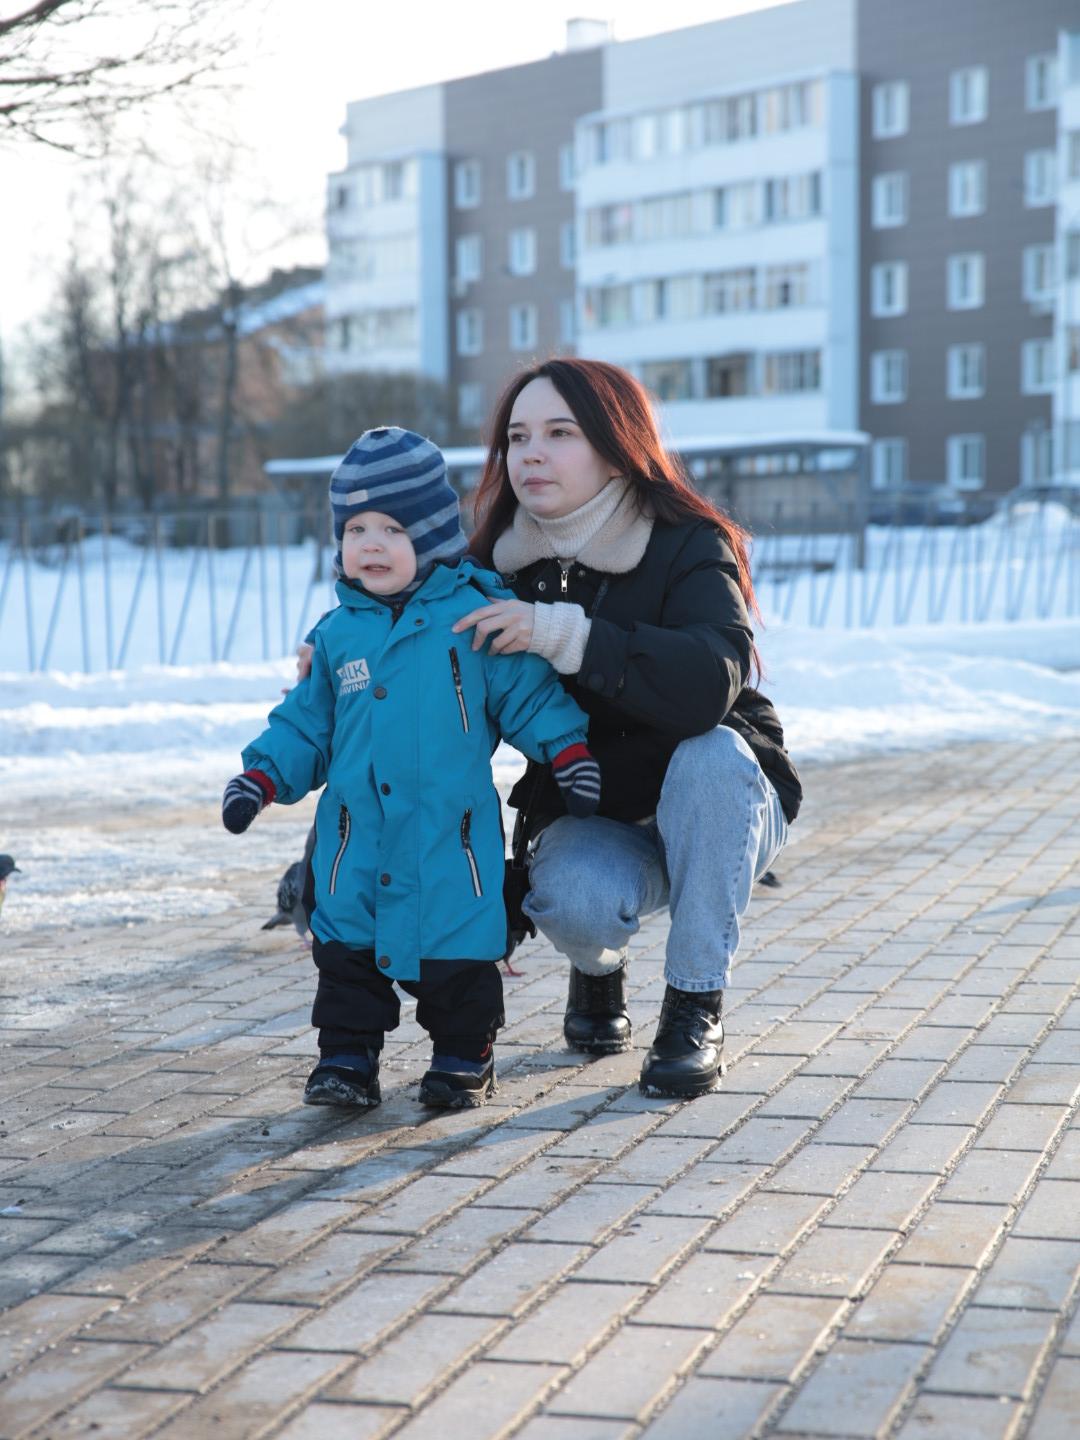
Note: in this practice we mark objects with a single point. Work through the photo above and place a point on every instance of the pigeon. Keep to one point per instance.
(290, 893)
(7, 867)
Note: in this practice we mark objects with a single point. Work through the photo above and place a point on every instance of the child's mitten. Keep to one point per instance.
(578, 777)
(245, 795)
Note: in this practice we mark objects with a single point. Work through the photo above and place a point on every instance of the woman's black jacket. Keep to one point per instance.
(668, 657)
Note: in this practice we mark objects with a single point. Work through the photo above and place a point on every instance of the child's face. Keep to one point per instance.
(376, 551)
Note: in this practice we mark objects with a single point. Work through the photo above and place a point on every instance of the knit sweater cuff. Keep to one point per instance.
(560, 634)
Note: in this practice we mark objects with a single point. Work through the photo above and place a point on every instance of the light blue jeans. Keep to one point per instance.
(718, 828)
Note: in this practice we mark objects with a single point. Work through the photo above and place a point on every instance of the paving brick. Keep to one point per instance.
(768, 1224)
(991, 1352)
(643, 1249)
(1046, 1085)
(953, 1234)
(1056, 1415)
(340, 1422)
(503, 1394)
(163, 1310)
(773, 1337)
(834, 1262)
(457, 1243)
(899, 1079)
(819, 1169)
(423, 1355)
(630, 1373)
(1053, 1212)
(205, 1353)
(959, 1417)
(909, 1303)
(991, 1175)
(255, 1397)
(128, 1413)
(330, 1265)
(42, 1322)
(575, 1319)
(760, 1142)
(706, 1290)
(855, 1391)
(957, 1102)
(710, 1188)
(656, 1159)
(358, 1320)
(1030, 1274)
(1022, 1127)
(58, 1378)
(882, 1200)
(573, 1427)
(926, 1149)
(591, 1213)
(862, 1122)
(720, 1409)
(1066, 1162)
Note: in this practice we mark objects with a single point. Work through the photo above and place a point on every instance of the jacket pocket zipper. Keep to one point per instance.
(466, 845)
(344, 828)
(455, 668)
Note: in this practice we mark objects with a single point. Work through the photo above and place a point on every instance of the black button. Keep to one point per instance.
(384, 962)
(385, 788)
(540, 585)
(380, 692)
(417, 622)
(385, 879)
(596, 681)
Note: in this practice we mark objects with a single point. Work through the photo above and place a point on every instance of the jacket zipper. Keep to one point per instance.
(564, 588)
(344, 829)
(456, 669)
(474, 869)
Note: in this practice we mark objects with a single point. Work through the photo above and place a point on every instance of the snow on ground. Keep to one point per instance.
(110, 783)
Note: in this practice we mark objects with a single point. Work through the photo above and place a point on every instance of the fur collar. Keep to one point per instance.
(615, 549)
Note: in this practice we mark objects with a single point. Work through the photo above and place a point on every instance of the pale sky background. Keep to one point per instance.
(304, 62)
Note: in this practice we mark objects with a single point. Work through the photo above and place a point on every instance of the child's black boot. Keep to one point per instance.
(455, 1084)
(350, 1079)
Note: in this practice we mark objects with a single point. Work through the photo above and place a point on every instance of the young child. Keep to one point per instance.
(399, 719)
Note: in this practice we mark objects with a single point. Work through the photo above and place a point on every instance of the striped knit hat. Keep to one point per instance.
(400, 474)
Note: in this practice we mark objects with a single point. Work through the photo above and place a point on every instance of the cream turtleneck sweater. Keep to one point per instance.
(608, 533)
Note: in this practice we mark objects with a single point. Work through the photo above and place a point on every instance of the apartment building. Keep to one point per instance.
(822, 216)
(960, 184)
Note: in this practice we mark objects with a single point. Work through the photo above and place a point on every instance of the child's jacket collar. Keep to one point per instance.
(443, 581)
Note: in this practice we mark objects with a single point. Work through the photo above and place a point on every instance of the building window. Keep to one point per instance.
(467, 184)
(668, 379)
(968, 92)
(966, 372)
(470, 332)
(567, 322)
(1072, 349)
(470, 407)
(1072, 154)
(343, 336)
(890, 109)
(791, 372)
(1037, 367)
(1039, 283)
(520, 175)
(786, 286)
(793, 197)
(738, 206)
(1072, 254)
(1040, 178)
(888, 288)
(521, 252)
(888, 461)
(468, 258)
(339, 197)
(727, 377)
(727, 291)
(1040, 82)
(523, 327)
(965, 462)
(889, 200)
(567, 166)
(888, 377)
(567, 244)
(967, 188)
(964, 284)
(399, 180)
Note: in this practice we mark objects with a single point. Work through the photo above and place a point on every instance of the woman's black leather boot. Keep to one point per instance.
(684, 1058)
(596, 1017)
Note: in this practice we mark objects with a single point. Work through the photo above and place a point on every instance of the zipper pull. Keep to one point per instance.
(565, 568)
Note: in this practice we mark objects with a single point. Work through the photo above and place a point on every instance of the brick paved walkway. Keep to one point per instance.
(872, 1230)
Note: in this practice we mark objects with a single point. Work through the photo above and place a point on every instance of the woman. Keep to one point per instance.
(637, 590)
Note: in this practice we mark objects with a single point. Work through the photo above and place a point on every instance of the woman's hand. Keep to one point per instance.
(304, 652)
(510, 621)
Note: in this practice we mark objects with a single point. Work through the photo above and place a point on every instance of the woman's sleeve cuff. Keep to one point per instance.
(560, 634)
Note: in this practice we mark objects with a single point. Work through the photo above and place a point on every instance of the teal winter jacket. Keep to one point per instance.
(399, 721)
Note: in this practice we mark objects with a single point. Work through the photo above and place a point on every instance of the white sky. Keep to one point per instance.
(305, 61)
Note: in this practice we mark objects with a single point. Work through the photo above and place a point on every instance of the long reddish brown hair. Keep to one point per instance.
(616, 418)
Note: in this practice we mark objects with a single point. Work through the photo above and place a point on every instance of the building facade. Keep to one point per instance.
(822, 216)
(959, 203)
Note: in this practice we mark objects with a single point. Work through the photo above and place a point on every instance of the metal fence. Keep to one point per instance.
(240, 587)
